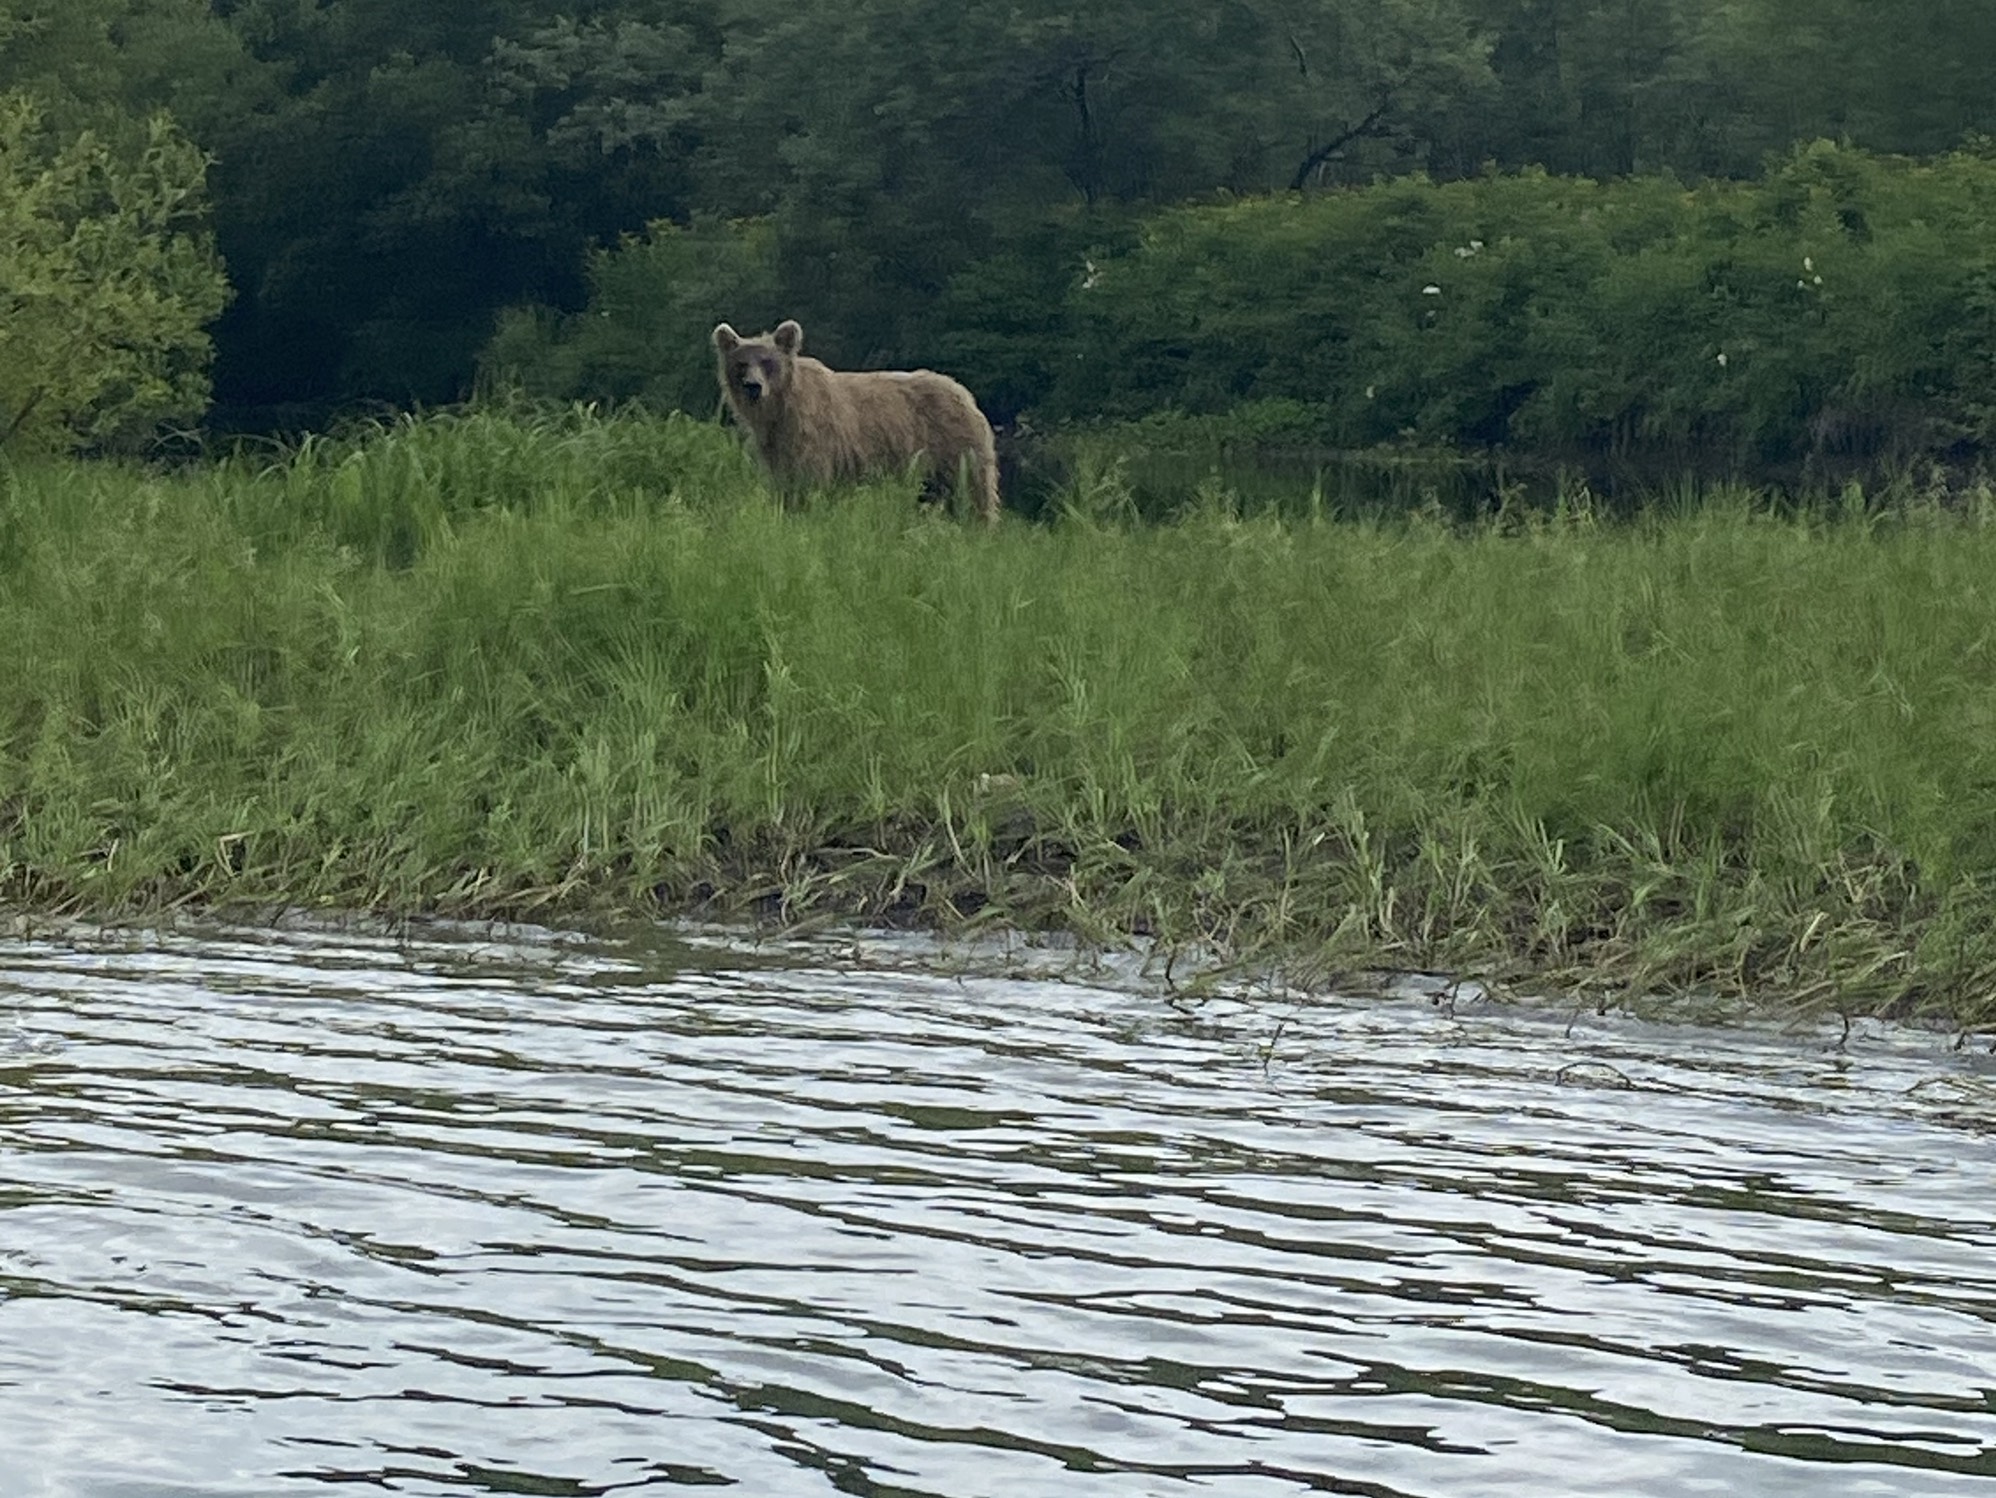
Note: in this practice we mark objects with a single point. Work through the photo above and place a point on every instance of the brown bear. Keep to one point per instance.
(814, 425)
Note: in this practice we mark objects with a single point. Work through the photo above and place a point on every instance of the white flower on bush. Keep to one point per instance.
(1722, 358)
(1431, 289)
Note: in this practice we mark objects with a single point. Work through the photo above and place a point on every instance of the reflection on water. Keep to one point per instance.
(287, 1212)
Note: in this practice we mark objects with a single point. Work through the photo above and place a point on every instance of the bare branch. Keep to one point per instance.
(1370, 125)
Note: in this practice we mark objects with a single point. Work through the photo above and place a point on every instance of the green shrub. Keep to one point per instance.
(108, 280)
(644, 336)
(1842, 306)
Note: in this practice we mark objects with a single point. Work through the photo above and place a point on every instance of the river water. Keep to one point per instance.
(466, 1212)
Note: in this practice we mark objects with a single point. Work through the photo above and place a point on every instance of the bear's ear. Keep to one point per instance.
(790, 335)
(726, 339)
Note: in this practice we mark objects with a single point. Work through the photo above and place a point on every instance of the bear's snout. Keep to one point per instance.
(752, 387)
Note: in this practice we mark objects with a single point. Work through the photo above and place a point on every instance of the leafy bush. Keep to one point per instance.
(654, 300)
(1003, 325)
(1840, 309)
(108, 279)
(1841, 306)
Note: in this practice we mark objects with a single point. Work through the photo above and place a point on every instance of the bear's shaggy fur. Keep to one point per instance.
(814, 425)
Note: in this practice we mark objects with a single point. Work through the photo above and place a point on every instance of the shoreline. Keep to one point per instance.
(1136, 964)
(584, 666)
(1664, 971)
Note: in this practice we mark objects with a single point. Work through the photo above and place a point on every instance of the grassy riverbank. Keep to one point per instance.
(583, 667)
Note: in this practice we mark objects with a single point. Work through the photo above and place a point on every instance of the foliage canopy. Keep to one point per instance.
(107, 281)
(924, 175)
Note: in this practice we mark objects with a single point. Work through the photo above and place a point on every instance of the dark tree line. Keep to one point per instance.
(388, 177)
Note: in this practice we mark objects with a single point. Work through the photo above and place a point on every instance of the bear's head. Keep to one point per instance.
(758, 369)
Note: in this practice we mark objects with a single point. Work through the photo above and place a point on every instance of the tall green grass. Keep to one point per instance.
(585, 665)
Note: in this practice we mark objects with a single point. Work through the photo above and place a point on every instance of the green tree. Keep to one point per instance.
(1610, 87)
(96, 60)
(1348, 90)
(654, 299)
(421, 168)
(1888, 77)
(898, 142)
(108, 278)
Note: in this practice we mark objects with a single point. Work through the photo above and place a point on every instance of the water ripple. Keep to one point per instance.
(283, 1211)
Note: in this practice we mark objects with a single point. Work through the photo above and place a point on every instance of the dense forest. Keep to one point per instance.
(1108, 210)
